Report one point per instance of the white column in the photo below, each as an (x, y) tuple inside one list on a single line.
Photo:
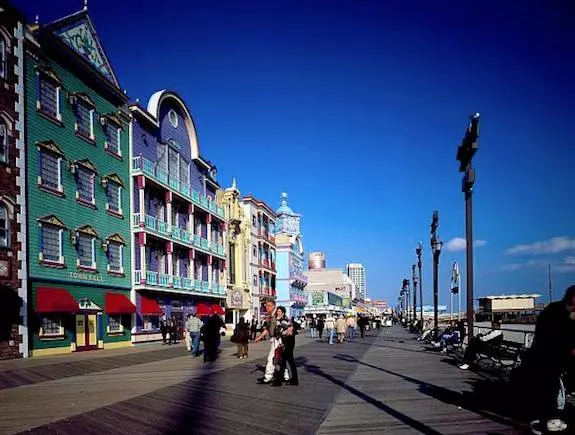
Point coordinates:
[(209, 230), (191, 227), (170, 258), (142, 198), (169, 211), (142, 247), (191, 265), (210, 273)]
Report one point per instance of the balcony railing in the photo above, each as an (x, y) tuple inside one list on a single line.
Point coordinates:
[(140, 164), (178, 234), (155, 279)]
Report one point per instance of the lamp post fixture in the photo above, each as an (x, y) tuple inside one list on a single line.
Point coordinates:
[(465, 153), (418, 252), (414, 280), (436, 246)]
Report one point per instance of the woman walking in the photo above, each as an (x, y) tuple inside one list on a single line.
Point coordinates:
[(242, 338), (285, 332)]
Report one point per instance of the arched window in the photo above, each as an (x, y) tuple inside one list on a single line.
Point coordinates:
[(3, 67), (3, 141), (4, 226)]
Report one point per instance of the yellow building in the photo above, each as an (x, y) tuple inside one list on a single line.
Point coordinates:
[(238, 300)]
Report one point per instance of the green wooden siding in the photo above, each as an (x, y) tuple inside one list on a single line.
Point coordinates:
[(97, 295), (74, 215)]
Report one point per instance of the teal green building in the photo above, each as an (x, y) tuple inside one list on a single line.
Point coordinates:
[(77, 192)]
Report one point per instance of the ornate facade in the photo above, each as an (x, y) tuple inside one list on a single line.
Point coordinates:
[(178, 230), (77, 135), (262, 253), (238, 302), (13, 289), (291, 280)]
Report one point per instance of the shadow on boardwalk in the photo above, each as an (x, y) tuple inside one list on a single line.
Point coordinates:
[(490, 398)]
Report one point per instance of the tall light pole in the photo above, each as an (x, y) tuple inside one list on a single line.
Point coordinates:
[(405, 287), (436, 246), (465, 153), (414, 281), (418, 252)]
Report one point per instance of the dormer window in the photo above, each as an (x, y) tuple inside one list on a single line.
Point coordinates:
[(48, 98), (84, 109)]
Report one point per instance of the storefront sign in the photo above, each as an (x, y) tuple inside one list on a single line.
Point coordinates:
[(86, 276), (317, 298), (235, 299), (88, 304)]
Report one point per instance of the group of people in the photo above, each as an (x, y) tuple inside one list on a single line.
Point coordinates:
[(209, 331)]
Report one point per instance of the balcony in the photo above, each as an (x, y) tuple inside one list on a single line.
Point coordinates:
[(160, 280), (150, 169), (177, 234), (297, 278)]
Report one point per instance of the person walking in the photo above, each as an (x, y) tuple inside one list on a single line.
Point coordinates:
[(253, 329), (351, 325), (242, 338), (312, 328), (212, 336), (164, 330), (330, 327), (544, 363), (284, 333), (193, 326), (320, 327), (340, 326), (269, 328)]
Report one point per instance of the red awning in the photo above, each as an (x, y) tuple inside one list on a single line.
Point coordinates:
[(150, 306), (118, 303), (218, 309), (202, 310), (55, 300)]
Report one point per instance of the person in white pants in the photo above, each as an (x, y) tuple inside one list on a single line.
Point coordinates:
[(270, 326)]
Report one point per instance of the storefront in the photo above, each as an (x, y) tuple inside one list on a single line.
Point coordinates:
[(79, 318), (153, 307)]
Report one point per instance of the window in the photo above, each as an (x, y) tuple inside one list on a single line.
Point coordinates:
[(3, 58), (48, 101), (3, 142), (184, 171), (115, 257), (150, 322), (84, 119), (255, 251), (115, 324), (51, 249), (114, 195), (85, 185), (113, 139), (255, 280), (254, 220), (52, 326), (232, 262), (50, 171), (4, 227), (86, 251), (173, 118)]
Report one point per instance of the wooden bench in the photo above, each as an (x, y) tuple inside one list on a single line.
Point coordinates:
[(503, 354)]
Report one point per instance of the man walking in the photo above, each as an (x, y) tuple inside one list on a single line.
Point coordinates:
[(268, 331), (193, 326)]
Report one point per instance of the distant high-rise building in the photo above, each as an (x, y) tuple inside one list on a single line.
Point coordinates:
[(316, 260), (356, 272)]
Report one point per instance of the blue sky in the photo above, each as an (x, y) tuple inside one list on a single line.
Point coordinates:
[(355, 108)]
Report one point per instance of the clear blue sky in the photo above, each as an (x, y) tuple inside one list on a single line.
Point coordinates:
[(356, 108)]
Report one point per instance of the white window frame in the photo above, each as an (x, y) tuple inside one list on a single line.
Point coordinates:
[(119, 331), (60, 188), (60, 334), (4, 138), (121, 250), (93, 180), (120, 210), (118, 138), (93, 266), (61, 236), (4, 211), (58, 92)]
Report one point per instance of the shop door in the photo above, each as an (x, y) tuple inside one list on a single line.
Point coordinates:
[(86, 336), (179, 322)]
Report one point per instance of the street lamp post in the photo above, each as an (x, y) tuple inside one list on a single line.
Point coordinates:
[(418, 252), (436, 246), (414, 280), (465, 153)]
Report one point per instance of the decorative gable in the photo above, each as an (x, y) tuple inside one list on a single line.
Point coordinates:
[(52, 220), (86, 164), (79, 34), (49, 72), (116, 238), (50, 145), (80, 96), (111, 118), (115, 178), (87, 230)]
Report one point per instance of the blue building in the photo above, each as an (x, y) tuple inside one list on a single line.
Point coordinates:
[(290, 281)]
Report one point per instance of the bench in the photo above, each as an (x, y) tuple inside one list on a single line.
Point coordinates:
[(503, 354)]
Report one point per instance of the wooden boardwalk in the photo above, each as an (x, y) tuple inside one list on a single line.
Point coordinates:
[(383, 384)]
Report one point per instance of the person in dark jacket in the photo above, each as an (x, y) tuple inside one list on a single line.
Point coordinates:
[(253, 329), (242, 338), (164, 330), (212, 336), (320, 327), (284, 331), (549, 356)]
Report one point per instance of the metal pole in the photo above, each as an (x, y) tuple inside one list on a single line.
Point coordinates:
[(469, 265), (414, 280), (450, 305), (459, 305), (420, 280), (550, 288), (435, 290)]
